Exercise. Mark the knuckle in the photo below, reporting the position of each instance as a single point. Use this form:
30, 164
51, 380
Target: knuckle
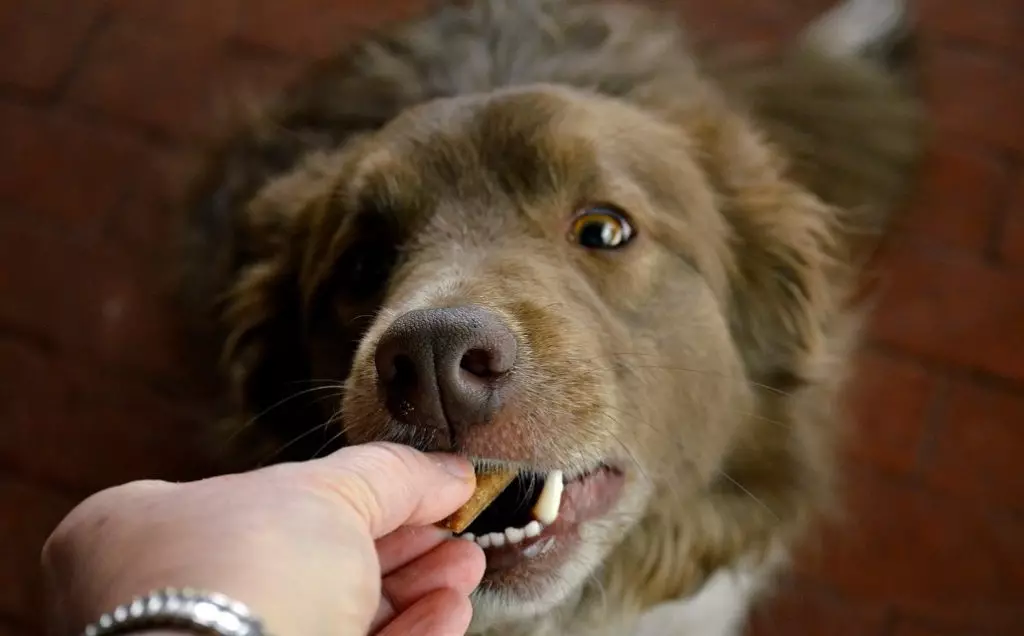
364, 475
396, 455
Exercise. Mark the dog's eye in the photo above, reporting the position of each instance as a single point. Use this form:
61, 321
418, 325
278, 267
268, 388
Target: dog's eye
602, 228
364, 269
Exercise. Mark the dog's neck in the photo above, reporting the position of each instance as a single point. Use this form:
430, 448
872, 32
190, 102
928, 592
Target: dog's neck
717, 605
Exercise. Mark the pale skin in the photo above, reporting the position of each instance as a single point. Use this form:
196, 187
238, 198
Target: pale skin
340, 546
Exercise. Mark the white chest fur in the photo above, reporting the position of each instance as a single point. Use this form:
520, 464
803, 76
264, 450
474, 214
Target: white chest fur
718, 609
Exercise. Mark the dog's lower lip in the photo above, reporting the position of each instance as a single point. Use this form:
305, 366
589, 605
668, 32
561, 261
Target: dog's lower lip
587, 497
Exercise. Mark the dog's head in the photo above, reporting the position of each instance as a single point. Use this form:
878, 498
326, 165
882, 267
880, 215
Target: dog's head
592, 292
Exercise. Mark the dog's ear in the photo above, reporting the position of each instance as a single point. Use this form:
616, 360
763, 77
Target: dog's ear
240, 281
242, 288
789, 269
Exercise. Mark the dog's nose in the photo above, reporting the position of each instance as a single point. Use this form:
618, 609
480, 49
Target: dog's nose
442, 368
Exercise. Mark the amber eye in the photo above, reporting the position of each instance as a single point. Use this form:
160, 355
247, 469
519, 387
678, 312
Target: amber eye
601, 228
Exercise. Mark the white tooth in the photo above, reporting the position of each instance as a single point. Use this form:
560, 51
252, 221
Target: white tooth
497, 539
538, 548
484, 541
546, 508
468, 536
533, 529
515, 535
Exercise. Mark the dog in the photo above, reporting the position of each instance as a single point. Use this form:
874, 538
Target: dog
552, 237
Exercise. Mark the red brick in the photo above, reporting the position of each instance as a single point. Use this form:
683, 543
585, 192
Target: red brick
978, 95
908, 547
49, 7
214, 18
962, 187
149, 214
913, 629
104, 301
1012, 247
978, 454
999, 614
993, 23
174, 82
316, 28
87, 429
999, 625
40, 47
891, 400
11, 11
11, 630
63, 170
1008, 546
909, 629
952, 308
29, 516
807, 610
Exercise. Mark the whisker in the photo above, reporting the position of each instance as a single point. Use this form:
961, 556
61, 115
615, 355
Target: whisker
752, 414
761, 503
684, 456
625, 448
278, 404
723, 375
326, 381
330, 440
372, 316
320, 427
294, 440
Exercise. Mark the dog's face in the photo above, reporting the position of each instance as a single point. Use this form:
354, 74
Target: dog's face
545, 280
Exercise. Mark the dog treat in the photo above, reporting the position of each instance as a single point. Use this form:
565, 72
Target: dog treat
488, 486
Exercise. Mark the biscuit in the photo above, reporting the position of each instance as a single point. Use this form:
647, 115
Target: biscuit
488, 486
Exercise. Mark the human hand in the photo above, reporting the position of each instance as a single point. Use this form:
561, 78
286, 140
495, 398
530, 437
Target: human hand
335, 546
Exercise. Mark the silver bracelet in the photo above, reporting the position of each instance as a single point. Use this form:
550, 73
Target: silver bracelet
170, 608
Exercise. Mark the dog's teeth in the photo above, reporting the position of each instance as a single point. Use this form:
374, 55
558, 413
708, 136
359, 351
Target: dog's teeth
484, 541
514, 535
497, 539
468, 536
538, 548
546, 508
533, 529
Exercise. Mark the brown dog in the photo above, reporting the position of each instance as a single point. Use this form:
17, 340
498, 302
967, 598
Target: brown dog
543, 234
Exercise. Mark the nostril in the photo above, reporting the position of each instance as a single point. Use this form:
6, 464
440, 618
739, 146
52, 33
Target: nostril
479, 363
403, 372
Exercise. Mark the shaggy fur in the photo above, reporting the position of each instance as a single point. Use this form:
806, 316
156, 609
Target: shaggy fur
440, 163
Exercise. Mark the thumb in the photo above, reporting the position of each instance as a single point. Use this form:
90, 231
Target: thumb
391, 485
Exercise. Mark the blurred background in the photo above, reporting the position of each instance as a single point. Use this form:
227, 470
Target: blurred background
101, 100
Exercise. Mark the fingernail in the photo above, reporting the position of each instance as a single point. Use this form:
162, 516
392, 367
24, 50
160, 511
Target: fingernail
457, 466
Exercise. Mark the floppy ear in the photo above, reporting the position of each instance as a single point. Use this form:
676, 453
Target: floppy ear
242, 286
240, 279
790, 271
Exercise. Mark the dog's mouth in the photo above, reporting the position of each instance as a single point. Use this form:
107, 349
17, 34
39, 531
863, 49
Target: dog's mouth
538, 513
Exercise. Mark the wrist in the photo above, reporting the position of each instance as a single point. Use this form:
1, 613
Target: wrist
178, 612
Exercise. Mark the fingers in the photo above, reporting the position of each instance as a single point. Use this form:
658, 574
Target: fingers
443, 612
391, 485
404, 545
455, 565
